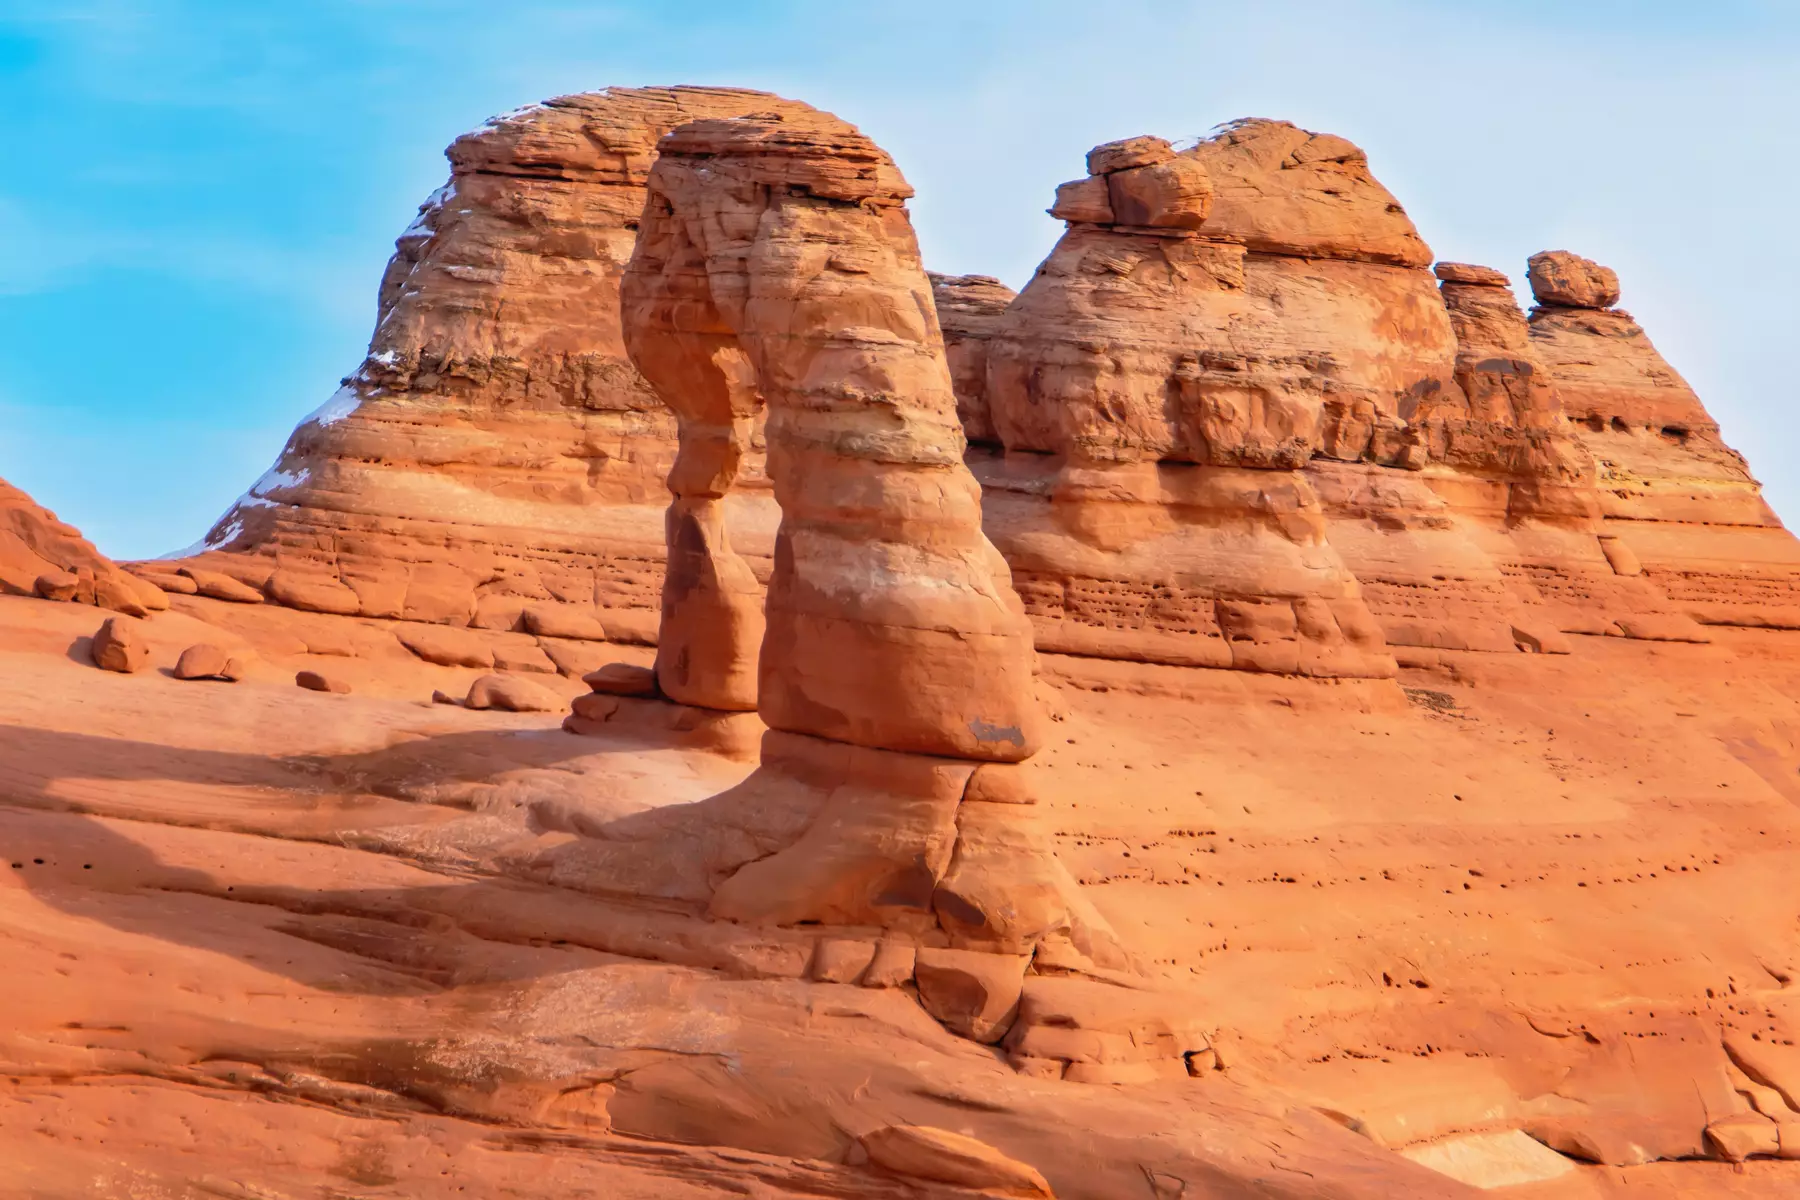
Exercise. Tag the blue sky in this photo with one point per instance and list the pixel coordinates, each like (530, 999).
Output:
(202, 193)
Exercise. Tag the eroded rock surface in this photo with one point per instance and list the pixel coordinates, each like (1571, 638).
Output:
(42, 556)
(1504, 919)
(496, 450)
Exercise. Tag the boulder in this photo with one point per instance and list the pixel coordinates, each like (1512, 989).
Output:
(511, 693)
(119, 646)
(322, 681)
(573, 659)
(123, 593)
(622, 679)
(938, 1155)
(1176, 194)
(527, 657)
(57, 585)
(209, 661)
(1561, 279)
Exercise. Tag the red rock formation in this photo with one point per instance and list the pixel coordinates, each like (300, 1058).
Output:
(1531, 915)
(1209, 323)
(776, 265)
(969, 310)
(40, 555)
(495, 453)
(1678, 503)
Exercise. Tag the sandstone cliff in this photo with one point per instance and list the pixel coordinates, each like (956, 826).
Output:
(495, 461)
(1232, 421)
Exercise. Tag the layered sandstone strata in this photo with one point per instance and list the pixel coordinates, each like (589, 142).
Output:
(1679, 505)
(1508, 463)
(1210, 322)
(496, 452)
(777, 273)
(40, 555)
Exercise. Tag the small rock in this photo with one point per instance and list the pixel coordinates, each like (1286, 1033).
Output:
(511, 693)
(319, 681)
(622, 679)
(925, 1152)
(972, 993)
(207, 661)
(119, 646)
(57, 585)
(442, 697)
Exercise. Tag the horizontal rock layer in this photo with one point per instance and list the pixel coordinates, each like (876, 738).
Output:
(1231, 421)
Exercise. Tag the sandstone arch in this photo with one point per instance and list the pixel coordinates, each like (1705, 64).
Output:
(776, 265)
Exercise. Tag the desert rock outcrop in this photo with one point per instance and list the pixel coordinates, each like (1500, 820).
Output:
(788, 917)
(42, 556)
(1161, 381)
(496, 450)
(776, 267)
(1671, 492)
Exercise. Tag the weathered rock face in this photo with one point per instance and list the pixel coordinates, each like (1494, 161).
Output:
(1675, 498)
(776, 266)
(496, 450)
(1256, 306)
(40, 555)
(970, 308)
(1211, 321)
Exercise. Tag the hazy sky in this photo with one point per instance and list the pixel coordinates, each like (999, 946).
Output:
(201, 194)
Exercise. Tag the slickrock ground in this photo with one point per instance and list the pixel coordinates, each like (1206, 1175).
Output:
(266, 936)
(1403, 802)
